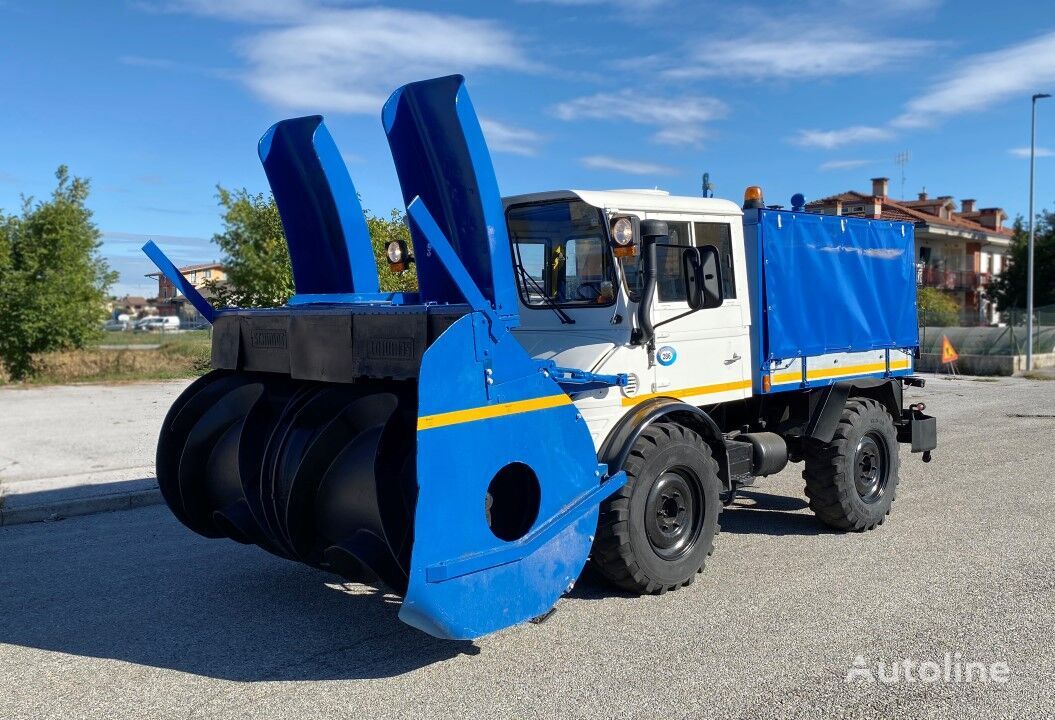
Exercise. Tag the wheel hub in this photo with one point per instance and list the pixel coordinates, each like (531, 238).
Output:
(671, 511)
(871, 470)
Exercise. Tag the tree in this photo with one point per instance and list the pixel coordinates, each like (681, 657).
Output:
(1009, 287)
(935, 308)
(256, 257)
(53, 282)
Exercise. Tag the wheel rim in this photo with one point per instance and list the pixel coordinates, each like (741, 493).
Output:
(673, 512)
(871, 467)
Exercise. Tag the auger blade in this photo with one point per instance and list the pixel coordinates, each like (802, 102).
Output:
(257, 428)
(209, 481)
(333, 432)
(348, 509)
(273, 461)
(180, 420)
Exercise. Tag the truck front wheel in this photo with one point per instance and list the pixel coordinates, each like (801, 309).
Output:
(656, 532)
(851, 481)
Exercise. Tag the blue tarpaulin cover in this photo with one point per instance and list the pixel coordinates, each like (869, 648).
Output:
(836, 284)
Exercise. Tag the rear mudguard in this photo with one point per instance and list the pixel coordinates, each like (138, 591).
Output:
(484, 405)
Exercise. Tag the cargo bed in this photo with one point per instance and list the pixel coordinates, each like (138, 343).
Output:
(833, 298)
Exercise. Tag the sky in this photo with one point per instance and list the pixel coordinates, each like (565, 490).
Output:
(159, 101)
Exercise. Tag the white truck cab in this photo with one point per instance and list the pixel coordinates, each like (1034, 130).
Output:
(579, 302)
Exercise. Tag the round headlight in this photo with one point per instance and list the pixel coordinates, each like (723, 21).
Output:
(396, 252)
(623, 232)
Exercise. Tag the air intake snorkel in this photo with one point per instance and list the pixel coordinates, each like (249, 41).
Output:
(652, 232)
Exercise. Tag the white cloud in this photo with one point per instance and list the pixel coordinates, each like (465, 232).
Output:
(984, 80)
(348, 60)
(806, 50)
(829, 139)
(321, 55)
(680, 120)
(842, 165)
(631, 167)
(1023, 152)
(973, 85)
(510, 138)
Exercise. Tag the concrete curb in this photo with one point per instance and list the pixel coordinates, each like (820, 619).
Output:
(28, 511)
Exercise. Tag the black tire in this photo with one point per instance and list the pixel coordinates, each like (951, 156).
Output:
(656, 532)
(851, 482)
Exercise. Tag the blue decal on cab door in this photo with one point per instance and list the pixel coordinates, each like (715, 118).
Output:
(666, 355)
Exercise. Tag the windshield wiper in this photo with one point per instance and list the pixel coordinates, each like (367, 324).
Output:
(565, 318)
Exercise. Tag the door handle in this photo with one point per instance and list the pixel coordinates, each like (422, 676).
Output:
(734, 358)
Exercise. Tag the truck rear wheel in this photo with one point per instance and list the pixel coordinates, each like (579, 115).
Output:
(656, 532)
(851, 481)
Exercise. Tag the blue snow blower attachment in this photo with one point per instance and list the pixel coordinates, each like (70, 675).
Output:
(406, 438)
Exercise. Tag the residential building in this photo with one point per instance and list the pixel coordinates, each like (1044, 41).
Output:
(202, 276)
(957, 251)
(132, 305)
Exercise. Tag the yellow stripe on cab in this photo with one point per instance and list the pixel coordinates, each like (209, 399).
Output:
(690, 392)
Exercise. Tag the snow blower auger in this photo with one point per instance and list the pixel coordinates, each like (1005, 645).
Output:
(406, 438)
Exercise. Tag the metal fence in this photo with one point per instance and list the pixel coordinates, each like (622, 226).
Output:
(1007, 340)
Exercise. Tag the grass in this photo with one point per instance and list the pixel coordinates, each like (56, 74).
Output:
(180, 355)
(116, 337)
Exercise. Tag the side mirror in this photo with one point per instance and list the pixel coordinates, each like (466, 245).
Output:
(703, 277)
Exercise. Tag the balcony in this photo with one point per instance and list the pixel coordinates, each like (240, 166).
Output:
(951, 279)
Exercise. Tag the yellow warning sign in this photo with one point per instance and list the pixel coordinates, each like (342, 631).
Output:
(948, 352)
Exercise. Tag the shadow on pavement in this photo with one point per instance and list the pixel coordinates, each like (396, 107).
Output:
(756, 513)
(753, 513)
(138, 587)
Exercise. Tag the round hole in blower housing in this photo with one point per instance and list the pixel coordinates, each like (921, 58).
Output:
(512, 501)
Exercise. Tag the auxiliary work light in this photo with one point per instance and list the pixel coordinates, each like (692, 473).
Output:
(398, 256)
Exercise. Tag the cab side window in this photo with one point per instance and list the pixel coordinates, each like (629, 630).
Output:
(668, 262)
(720, 235)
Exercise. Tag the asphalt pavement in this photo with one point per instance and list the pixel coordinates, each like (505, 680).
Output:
(98, 433)
(128, 614)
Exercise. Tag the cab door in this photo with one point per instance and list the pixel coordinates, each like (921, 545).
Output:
(702, 357)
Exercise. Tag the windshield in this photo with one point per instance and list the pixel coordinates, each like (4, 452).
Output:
(560, 250)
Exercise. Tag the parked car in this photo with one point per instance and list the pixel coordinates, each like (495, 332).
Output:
(158, 323)
(118, 324)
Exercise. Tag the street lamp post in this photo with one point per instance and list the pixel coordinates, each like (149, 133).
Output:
(1029, 247)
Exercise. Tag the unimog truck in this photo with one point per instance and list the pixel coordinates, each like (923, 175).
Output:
(582, 375)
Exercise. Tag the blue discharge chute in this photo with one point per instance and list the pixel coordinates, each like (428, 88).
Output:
(836, 284)
(329, 244)
(441, 158)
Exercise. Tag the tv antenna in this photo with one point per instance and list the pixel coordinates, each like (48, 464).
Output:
(901, 160)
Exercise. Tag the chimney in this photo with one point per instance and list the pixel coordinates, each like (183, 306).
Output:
(879, 186)
(992, 218)
(923, 195)
(966, 206)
